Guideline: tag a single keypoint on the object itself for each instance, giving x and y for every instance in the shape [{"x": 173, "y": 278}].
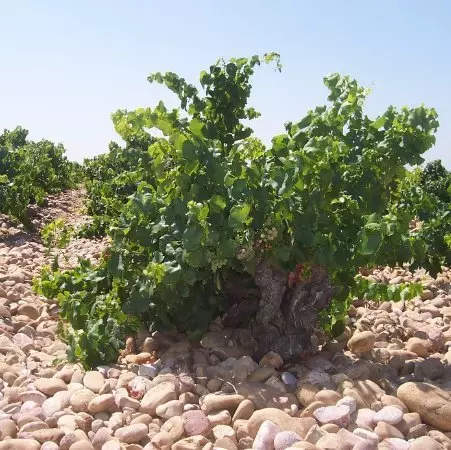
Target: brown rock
[
  {"x": 101, "y": 403},
  {"x": 191, "y": 443},
  {"x": 390, "y": 400},
  {"x": 93, "y": 381},
  {"x": 196, "y": 423},
  {"x": 140, "y": 358},
  {"x": 132, "y": 434},
  {"x": 262, "y": 374},
  {"x": 362, "y": 342},
  {"x": 28, "y": 310},
  {"x": 215, "y": 402},
  {"x": 157, "y": 395},
  {"x": 308, "y": 412},
  {"x": 162, "y": 440},
  {"x": 418, "y": 346},
  {"x": 280, "y": 418},
  {"x": 433, "y": 334},
  {"x": 81, "y": 399},
  {"x": 7, "y": 428},
  {"x": 265, "y": 396},
  {"x": 430, "y": 402},
  {"x": 244, "y": 411},
  {"x": 385, "y": 430},
  {"x": 49, "y": 434},
  {"x": 425, "y": 442},
  {"x": 174, "y": 427},
  {"x": 50, "y": 386},
  {"x": 306, "y": 394},
  {"x": 81, "y": 445},
  {"x": 408, "y": 421},
  {"x": 271, "y": 359},
  {"x": 328, "y": 397},
  {"x": 20, "y": 444}
]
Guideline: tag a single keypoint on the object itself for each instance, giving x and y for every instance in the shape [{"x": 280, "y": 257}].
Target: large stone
[
  {"x": 20, "y": 444},
  {"x": 431, "y": 368},
  {"x": 157, "y": 395},
  {"x": 306, "y": 394},
  {"x": 430, "y": 402},
  {"x": 7, "y": 428},
  {"x": 214, "y": 402},
  {"x": 433, "y": 334},
  {"x": 213, "y": 339},
  {"x": 362, "y": 342},
  {"x": 170, "y": 409},
  {"x": 285, "y": 439},
  {"x": 80, "y": 400},
  {"x": 54, "y": 404},
  {"x": 132, "y": 434},
  {"x": 196, "y": 423},
  {"x": 50, "y": 386},
  {"x": 265, "y": 396},
  {"x": 280, "y": 418},
  {"x": 338, "y": 415},
  {"x": 244, "y": 411},
  {"x": 47, "y": 434},
  {"x": 191, "y": 443},
  {"x": 265, "y": 437},
  {"x": 101, "y": 403},
  {"x": 418, "y": 346},
  {"x": 425, "y": 443},
  {"x": 389, "y": 414},
  {"x": 174, "y": 427},
  {"x": 93, "y": 381}
]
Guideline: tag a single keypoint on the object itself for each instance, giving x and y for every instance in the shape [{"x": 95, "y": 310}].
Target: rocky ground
[{"x": 386, "y": 383}]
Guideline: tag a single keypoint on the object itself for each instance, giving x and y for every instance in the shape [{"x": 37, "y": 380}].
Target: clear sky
[{"x": 65, "y": 66}]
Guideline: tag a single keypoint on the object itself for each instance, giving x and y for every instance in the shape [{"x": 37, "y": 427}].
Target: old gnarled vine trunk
[
  {"x": 281, "y": 319},
  {"x": 286, "y": 318}
]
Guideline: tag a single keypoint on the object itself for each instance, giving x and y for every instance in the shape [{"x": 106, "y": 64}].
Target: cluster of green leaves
[
  {"x": 203, "y": 190},
  {"x": 30, "y": 170},
  {"x": 56, "y": 234},
  {"x": 111, "y": 178},
  {"x": 426, "y": 194},
  {"x": 94, "y": 323}
]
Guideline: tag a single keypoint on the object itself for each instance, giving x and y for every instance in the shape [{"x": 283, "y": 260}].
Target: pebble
[
  {"x": 132, "y": 434},
  {"x": 338, "y": 415},
  {"x": 389, "y": 414},
  {"x": 266, "y": 435},
  {"x": 195, "y": 423},
  {"x": 93, "y": 381},
  {"x": 50, "y": 386}
]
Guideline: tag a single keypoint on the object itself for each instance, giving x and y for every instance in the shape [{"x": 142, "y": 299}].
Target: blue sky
[{"x": 67, "y": 65}]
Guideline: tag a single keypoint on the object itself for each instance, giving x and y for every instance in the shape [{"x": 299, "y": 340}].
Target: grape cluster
[
  {"x": 216, "y": 262},
  {"x": 266, "y": 238},
  {"x": 246, "y": 253}
]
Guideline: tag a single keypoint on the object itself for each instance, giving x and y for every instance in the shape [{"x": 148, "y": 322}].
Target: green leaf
[
  {"x": 283, "y": 253},
  {"x": 192, "y": 237},
  {"x": 239, "y": 214},
  {"x": 227, "y": 247},
  {"x": 378, "y": 123},
  {"x": 217, "y": 203},
  {"x": 189, "y": 151},
  {"x": 116, "y": 265},
  {"x": 371, "y": 243},
  {"x": 196, "y": 127}
]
